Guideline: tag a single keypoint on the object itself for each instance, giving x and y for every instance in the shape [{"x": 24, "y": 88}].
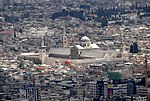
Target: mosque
[
  {"x": 84, "y": 50},
  {"x": 84, "y": 53}
]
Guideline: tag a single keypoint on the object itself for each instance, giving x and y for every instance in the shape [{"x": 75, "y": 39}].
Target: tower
[
  {"x": 74, "y": 52},
  {"x": 65, "y": 39},
  {"x": 42, "y": 51}
]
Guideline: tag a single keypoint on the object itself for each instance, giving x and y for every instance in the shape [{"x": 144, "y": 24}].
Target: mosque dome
[{"x": 85, "y": 39}]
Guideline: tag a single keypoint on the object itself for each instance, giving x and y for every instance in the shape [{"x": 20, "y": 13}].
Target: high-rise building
[
  {"x": 9, "y": 2},
  {"x": 92, "y": 89},
  {"x": 23, "y": 1},
  {"x": 1, "y": 3},
  {"x": 56, "y": 1},
  {"x": 102, "y": 89}
]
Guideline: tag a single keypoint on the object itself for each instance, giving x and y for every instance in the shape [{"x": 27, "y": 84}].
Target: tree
[
  {"x": 21, "y": 64},
  {"x": 20, "y": 30},
  {"x": 104, "y": 21},
  {"x": 96, "y": 99},
  {"x": 134, "y": 48},
  {"x": 8, "y": 98}
]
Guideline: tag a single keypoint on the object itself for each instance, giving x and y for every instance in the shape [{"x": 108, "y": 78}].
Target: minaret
[
  {"x": 42, "y": 51},
  {"x": 65, "y": 39}
]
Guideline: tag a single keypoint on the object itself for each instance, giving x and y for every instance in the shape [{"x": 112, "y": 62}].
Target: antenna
[
  {"x": 42, "y": 43},
  {"x": 64, "y": 31},
  {"x": 146, "y": 70},
  {"x": 121, "y": 44}
]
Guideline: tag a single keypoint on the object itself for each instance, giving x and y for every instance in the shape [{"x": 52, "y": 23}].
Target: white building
[
  {"x": 139, "y": 98},
  {"x": 92, "y": 89},
  {"x": 80, "y": 92},
  {"x": 142, "y": 91},
  {"x": 120, "y": 89}
]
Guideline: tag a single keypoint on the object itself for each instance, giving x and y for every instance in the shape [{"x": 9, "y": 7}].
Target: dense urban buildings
[{"x": 74, "y": 50}]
